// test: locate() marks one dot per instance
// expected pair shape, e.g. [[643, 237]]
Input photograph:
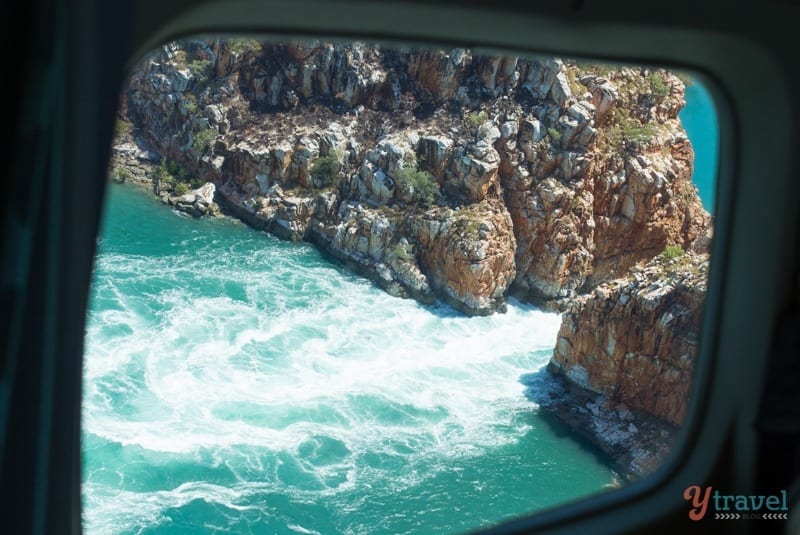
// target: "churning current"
[[235, 383]]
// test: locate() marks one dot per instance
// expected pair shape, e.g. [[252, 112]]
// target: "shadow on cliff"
[[543, 388], [555, 401]]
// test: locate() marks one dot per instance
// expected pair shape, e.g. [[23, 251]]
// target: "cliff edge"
[[436, 173], [450, 175], [625, 357]]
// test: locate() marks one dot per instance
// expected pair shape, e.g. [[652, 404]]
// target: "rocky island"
[[453, 176]]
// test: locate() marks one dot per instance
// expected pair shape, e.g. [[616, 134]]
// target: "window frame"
[[734, 345]]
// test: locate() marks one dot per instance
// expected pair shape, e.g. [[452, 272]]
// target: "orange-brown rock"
[[645, 204], [605, 198], [438, 74], [444, 174], [578, 172], [467, 254], [635, 339]]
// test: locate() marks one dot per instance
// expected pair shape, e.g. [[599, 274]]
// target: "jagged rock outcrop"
[[636, 442], [371, 242], [634, 340], [197, 202], [445, 174], [468, 254], [624, 360], [558, 177], [611, 197]]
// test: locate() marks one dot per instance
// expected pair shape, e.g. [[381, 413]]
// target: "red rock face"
[[611, 197], [635, 339], [468, 255], [557, 178], [463, 178], [437, 75], [655, 205]]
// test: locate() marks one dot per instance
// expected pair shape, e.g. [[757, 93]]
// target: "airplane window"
[[351, 288]]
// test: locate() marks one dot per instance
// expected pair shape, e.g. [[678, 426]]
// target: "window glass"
[[346, 288]]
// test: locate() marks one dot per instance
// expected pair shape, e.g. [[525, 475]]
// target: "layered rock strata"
[[444, 174], [635, 339], [629, 348], [544, 178]]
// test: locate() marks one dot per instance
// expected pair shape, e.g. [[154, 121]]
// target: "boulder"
[[197, 203]]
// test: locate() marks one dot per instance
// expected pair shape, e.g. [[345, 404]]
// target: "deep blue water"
[[699, 118]]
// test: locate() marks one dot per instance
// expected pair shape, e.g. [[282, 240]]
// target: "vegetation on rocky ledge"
[[325, 169], [420, 182], [574, 155], [452, 175], [673, 251]]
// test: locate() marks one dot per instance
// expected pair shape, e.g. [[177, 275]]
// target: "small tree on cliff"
[[421, 182], [672, 251], [203, 141], [325, 169]]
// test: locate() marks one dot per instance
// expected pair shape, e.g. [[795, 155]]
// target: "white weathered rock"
[[215, 113], [197, 202], [560, 91], [531, 130], [181, 78], [391, 153], [509, 129], [488, 132], [373, 183]]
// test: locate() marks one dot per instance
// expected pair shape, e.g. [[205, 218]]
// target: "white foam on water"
[[118, 511], [307, 353], [403, 355]]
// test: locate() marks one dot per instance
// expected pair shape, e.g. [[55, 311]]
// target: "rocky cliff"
[[444, 174], [634, 339], [626, 353], [437, 173]]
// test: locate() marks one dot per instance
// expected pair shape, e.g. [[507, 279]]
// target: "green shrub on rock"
[[476, 118], [243, 45], [658, 87], [201, 69], [162, 174], [120, 175], [421, 182], [673, 251], [325, 169], [203, 139], [171, 175], [401, 252]]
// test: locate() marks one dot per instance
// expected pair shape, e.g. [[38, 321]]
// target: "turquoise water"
[[699, 118], [235, 383]]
